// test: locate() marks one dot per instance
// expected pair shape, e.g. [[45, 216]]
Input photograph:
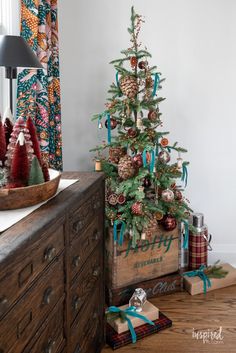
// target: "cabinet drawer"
[[87, 328], [83, 216], [81, 247], [86, 282], [19, 273], [21, 323], [52, 336]]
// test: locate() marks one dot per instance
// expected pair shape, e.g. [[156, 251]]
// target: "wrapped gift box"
[[194, 285], [116, 340], [149, 311]]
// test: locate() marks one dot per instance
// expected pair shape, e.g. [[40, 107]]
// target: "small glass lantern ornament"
[[138, 299]]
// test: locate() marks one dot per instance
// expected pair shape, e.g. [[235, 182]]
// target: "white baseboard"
[[224, 253]]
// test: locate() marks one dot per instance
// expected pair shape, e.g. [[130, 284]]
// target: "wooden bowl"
[[11, 199]]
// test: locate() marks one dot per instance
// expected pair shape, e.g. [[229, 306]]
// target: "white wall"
[[193, 42]]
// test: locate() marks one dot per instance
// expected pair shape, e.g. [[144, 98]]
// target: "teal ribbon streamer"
[[108, 128], [156, 83], [152, 163], [200, 273], [145, 157], [186, 234], [122, 231], [130, 311], [184, 177]]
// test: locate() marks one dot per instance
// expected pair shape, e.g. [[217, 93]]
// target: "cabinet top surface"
[[44, 216]]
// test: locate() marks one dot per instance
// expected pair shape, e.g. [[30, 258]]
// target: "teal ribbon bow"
[[108, 128], [152, 162], [186, 234], [130, 311], [122, 231], [184, 177], [156, 83], [200, 273]]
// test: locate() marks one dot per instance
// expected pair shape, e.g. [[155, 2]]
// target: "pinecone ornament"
[[129, 86], [126, 168]]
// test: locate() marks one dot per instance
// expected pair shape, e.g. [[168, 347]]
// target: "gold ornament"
[[98, 165], [159, 216], [129, 86]]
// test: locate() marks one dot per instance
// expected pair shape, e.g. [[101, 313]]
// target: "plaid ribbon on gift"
[[116, 340]]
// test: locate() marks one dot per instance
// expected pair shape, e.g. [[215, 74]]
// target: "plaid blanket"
[[116, 340]]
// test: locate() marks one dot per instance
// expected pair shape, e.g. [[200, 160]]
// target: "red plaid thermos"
[[198, 242]]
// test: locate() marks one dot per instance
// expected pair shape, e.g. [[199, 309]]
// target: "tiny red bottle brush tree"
[[3, 146]]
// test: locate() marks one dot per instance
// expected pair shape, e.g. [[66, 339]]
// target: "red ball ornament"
[[113, 123], [178, 195], [121, 199], [142, 65], [152, 115], [164, 157], [133, 61], [138, 160], [147, 182], [132, 132], [169, 222], [137, 208]]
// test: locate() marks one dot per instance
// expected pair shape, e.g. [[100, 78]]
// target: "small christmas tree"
[[3, 147], [36, 175], [141, 184], [33, 135], [19, 173], [19, 127]]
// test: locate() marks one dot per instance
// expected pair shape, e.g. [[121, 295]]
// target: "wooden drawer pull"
[[50, 346], [47, 296], [3, 303], [49, 253], [76, 261], [76, 303]]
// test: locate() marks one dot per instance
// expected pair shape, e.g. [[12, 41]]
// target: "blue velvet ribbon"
[[122, 231], [156, 83], [184, 177], [130, 311], [108, 128], [186, 234], [200, 273]]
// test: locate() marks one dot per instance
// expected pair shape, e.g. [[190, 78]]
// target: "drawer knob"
[[76, 261], [49, 253], [76, 303], [3, 304], [50, 346], [96, 235], [96, 272], [47, 296]]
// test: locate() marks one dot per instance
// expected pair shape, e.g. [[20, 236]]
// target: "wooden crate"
[[155, 287], [153, 257]]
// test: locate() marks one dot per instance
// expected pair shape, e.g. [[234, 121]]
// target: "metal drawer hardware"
[[77, 349], [76, 303], [76, 261], [47, 295], [49, 253], [97, 204], [96, 272], [96, 235], [3, 302], [78, 225], [50, 346]]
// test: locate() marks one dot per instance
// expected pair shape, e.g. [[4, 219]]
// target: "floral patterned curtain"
[[39, 91]]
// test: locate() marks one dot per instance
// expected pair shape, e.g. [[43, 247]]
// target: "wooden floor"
[[199, 312]]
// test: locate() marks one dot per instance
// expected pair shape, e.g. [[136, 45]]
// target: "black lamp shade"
[[16, 52]]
